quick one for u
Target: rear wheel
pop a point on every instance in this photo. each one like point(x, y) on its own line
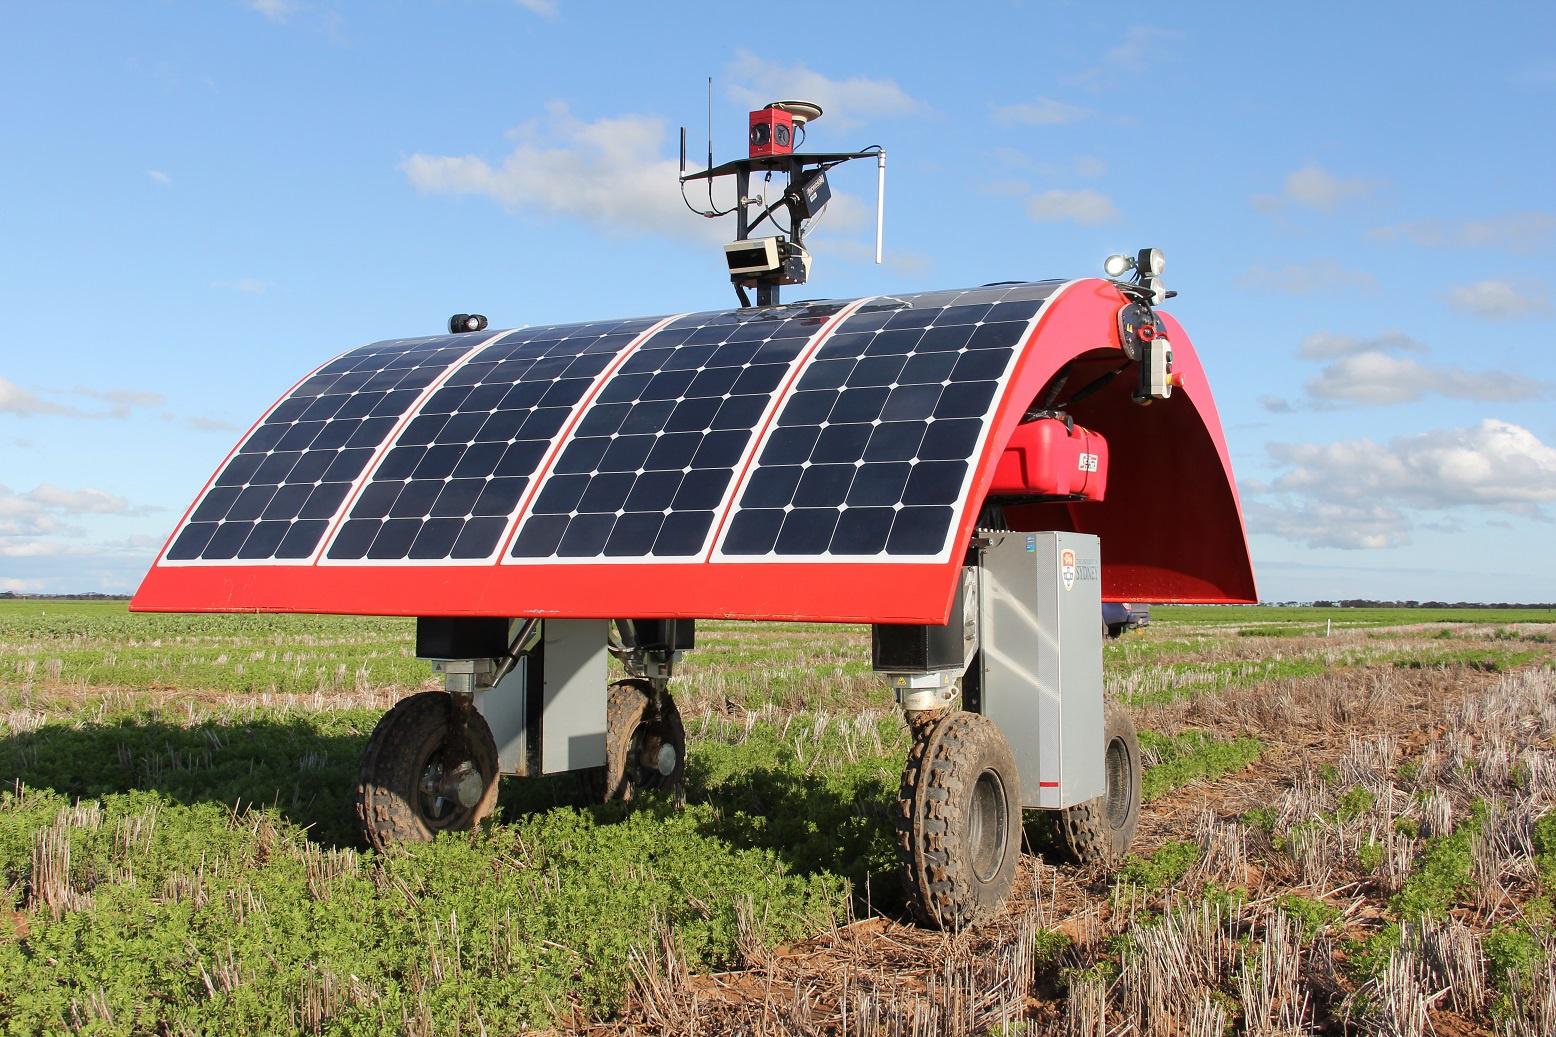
point(645, 744)
point(959, 819)
point(1102, 828)
point(416, 781)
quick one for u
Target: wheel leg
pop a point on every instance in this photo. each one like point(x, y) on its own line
point(959, 818)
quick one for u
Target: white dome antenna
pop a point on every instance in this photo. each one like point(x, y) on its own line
point(800, 111)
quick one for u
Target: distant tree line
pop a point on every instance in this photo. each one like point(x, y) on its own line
point(1370, 603)
point(94, 596)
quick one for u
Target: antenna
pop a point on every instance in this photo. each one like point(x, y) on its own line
point(768, 262)
point(880, 201)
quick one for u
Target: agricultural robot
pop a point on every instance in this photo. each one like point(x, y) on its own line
point(970, 472)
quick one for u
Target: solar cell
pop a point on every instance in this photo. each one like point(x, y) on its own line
point(650, 464)
point(275, 497)
point(449, 484)
point(871, 454)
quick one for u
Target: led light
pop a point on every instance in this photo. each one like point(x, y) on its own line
point(1115, 266)
point(1153, 260)
point(464, 322)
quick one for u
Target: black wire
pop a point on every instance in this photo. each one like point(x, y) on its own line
point(715, 213)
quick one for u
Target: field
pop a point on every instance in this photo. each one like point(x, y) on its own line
point(1349, 827)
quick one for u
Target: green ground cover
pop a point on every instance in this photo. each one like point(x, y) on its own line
point(177, 852)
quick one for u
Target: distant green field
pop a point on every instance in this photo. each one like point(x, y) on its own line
point(1283, 615)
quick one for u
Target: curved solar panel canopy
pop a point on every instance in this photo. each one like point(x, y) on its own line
point(815, 461)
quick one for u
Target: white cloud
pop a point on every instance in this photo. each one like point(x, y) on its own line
point(83, 501)
point(1376, 377)
point(160, 178)
point(1045, 111)
point(1376, 370)
point(846, 102)
point(1497, 300)
point(1493, 464)
point(1361, 494)
point(275, 10)
point(16, 400)
point(1311, 278)
point(1524, 231)
point(1326, 344)
point(1141, 46)
point(121, 402)
point(1322, 524)
point(1080, 206)
point(544, 8)
point(608, 173)
point(1314, 187)
point(35, 520)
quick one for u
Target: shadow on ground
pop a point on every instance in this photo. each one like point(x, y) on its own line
point(304, 769)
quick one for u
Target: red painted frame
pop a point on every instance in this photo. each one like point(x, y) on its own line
point(1170, 564)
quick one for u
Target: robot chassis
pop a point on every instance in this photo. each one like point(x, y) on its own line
point(1004, 703)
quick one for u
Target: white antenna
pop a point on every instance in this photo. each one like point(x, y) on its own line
point(880, 201)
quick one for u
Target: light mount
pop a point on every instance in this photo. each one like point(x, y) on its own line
point(1146, 284)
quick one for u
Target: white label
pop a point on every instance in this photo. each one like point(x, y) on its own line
point(1088, 463)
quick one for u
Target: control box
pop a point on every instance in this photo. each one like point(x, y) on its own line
point(1040, 620)
point(547, 714)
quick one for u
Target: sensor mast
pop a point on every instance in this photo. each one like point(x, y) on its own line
point(765, 263)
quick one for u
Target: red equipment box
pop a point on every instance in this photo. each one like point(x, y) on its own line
point(772, 133)
point(1048, 458)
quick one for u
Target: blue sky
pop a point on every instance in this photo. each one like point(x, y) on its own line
point(201, 201)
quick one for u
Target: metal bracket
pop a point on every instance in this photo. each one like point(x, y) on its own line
point(921, 691)
point(466, 676)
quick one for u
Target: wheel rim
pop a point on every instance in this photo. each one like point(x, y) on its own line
point(1119, 778)
point(440, 790)
point(986, 827)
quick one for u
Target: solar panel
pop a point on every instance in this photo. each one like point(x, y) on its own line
point(449, 484)
point(653, 458)
point(841, 430)
point(276, 495)
point(871, 456)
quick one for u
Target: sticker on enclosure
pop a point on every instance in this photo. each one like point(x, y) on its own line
point(1067, 568)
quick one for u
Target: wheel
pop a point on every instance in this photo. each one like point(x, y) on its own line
point(412, 786)
point(645, 744)
point(1102, 828)
point(1115, 631)
point(958, 820)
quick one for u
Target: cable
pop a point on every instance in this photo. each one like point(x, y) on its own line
point(714, 213)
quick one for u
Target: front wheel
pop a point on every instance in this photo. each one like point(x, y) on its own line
point(959, 819)
point(414, 784)
point(1101, 829)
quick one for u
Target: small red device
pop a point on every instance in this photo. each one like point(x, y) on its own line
point(1048, 458)
point(772, 133)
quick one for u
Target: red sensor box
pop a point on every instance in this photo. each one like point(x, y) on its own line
point(772, 133)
